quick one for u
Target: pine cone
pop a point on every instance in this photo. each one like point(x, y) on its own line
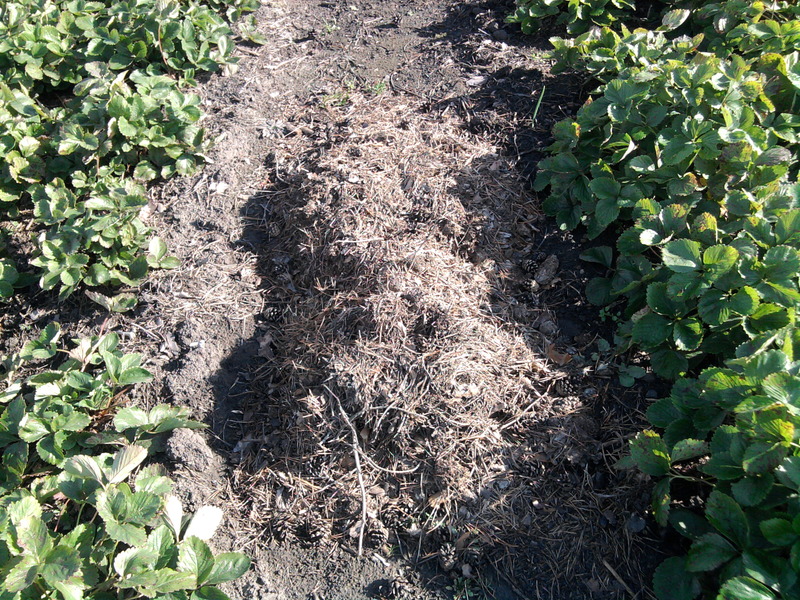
point(400, 588)
point(283, 524)
point(531, 263)
point(565, 387)
point(273, 314)
point(393, 516)
point(472, 554)
point(274, 229)
point(528, 265)
point(377, 535)
point(447, 557)
point(312, 528)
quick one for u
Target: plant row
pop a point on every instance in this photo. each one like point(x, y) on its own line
point(93, 106)
point(79, 518)
point(685, 155)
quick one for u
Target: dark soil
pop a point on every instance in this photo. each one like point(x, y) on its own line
point(389, 341)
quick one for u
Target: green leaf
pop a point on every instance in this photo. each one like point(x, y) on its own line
point(718, 260)
point(204, 523)
point(727, 517)
point(227, 567)
point(709, 552)
point(169, 262)
point(85, 467)
point(787, 228)
point(135, 560)
point(788, 473)
point(662, 413)
point(126, 128)
point(19, 573)
point(641, 164)
point(125, 461)
point(781, 263)
point(61, 564)
point(606, 212)
point(651, 330)
point(778, 531)
point(650, 237)
point(118, 107)
point(209, 593)
point(661, 501)
point(688, 449)
point(602, 255)
point(688, 334)
point(674, 18)
point(688, 523)
point(157, 248)
point(28, 531)
point(668, 363)
point(134, 375)
point(660, 302)
point(605, 188)
point(677, 150)
point(144, 171)
point(72, 588)
point(598, 291)
point(767, 317)
point(127, 533)
point(745, 588)
point(744, 301)
point(762, 458)
point(650, 453)
point(672, 581)
point(684, 287)
point(752, 489)
point(153, 479)
point(130, 418)
point(681, 256)
point(161, 581)
point(195, 557)
point(118, 304)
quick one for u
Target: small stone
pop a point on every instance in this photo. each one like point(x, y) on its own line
point(547, 270)
point(600, 480)
point(635, 524)
point(500, 35)
point(548, 327)
point(651, 394)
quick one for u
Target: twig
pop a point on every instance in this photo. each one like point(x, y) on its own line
point(618, 578)
point(357, 457)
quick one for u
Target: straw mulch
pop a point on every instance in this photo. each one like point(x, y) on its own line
point(411, 397)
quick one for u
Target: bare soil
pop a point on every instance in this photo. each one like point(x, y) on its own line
point(389, 341)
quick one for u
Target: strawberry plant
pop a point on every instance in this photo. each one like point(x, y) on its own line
point(686, 145)
point(71, 524)
point(687, 154)
point(576, 15)
point(733, 430)
point(93, 104)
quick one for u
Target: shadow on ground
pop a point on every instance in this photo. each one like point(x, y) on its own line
point(424, 386)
